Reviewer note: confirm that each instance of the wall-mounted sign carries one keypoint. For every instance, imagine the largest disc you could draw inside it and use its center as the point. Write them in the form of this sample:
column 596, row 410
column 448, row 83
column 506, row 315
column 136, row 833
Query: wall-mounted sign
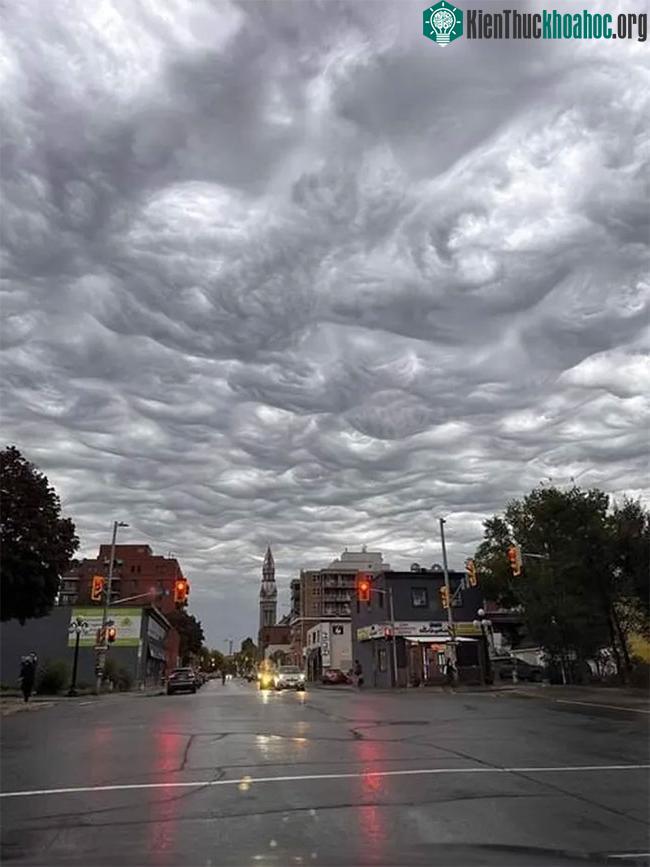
column 125, row 620
column 404, row 629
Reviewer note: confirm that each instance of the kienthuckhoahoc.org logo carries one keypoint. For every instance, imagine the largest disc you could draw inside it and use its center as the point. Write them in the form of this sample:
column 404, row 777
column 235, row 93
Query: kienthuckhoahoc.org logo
column 442, row 23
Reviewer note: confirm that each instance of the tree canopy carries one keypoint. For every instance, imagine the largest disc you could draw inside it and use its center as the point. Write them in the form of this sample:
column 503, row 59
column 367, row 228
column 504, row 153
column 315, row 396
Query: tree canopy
column 585, row 568
column 36, row 542
column 190, row 631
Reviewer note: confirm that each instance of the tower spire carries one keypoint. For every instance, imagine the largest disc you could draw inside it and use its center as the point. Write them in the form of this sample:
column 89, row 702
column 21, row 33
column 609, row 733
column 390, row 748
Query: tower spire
column 268, row 591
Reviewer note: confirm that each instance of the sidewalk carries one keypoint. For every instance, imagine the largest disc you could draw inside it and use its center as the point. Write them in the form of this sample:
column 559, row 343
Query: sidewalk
column 12, row 702
column 615, row 697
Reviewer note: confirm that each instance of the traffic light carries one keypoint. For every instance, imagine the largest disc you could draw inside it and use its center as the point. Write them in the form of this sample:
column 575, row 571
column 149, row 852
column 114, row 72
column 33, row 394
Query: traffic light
column 97, row 588
column 181, row 590
column 363, row 587
column 514, row 558
column 444, row 596
column 471, row 573
column 111, row 634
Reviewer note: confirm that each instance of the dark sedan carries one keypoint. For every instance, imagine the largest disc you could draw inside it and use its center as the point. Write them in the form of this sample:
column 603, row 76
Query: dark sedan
column 181, row 680
column 334, row 675
column 525, row 671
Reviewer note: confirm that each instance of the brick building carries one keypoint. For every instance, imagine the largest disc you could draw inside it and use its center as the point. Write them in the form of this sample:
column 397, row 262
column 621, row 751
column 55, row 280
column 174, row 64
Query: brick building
column 137, row 571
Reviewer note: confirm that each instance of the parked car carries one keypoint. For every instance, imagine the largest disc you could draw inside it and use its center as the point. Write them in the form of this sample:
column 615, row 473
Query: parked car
column 181, row 680
column 334, row 675
column 525, row 671
column 289, row 677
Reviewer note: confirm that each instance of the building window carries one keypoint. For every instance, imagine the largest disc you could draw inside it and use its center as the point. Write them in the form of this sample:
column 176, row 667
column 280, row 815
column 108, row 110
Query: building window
column 380, row 599
column 381, row 659
column 419, row 597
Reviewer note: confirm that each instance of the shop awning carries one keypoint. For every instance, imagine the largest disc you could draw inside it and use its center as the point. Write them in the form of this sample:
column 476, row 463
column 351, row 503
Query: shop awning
column 435, row 639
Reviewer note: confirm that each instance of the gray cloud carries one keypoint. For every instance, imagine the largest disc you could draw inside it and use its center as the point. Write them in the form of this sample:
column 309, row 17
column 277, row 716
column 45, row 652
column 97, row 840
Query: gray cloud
column 287, row 272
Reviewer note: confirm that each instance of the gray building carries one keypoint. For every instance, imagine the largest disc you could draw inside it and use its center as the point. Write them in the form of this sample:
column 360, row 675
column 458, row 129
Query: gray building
column 141, row 646
column 421, row 632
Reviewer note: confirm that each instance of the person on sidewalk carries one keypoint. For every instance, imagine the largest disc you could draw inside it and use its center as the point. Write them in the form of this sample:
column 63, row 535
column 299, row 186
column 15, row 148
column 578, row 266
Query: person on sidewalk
column 28, row 674
column 358, row 673
column 450, row 671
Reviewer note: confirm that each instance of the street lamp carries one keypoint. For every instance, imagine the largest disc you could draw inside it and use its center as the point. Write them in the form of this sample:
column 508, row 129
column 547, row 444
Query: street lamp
column 104, row 633
column 485, row 626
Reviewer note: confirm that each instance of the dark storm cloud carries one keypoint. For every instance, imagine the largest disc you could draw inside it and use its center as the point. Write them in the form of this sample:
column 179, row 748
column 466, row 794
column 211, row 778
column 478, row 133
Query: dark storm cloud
column 288, row 272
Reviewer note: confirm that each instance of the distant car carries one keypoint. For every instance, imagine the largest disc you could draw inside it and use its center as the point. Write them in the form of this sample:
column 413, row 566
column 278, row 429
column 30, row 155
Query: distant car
column 525, row 671
column 181, row 680
column 334, row 675
column 289, row 677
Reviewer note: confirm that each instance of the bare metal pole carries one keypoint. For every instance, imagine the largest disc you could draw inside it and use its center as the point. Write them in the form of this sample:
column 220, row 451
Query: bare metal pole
column 450, row 617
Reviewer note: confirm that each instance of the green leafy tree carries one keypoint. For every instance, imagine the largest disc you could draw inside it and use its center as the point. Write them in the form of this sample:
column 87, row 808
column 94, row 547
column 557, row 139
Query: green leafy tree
column 190, row 632
column 36, row 542
column 590, row 561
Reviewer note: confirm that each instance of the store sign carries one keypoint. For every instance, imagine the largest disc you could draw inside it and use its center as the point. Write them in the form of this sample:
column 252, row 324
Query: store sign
column 405, row 629
column 325, row 646
column 155, row 630
column 337, row 629
column 125, row 620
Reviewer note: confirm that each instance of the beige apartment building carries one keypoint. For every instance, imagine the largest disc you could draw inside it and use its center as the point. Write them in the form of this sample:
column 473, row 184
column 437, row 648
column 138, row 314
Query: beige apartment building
column 325, row 594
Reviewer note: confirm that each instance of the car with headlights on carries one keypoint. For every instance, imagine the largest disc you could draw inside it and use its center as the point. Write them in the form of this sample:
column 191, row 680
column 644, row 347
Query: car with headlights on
column 289, row 677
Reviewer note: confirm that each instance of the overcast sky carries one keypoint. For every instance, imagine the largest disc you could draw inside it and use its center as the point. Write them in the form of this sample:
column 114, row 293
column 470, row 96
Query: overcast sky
column 292, row 273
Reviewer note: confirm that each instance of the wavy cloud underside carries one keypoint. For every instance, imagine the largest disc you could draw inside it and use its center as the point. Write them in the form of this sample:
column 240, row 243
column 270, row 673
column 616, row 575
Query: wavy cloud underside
column 289, row 272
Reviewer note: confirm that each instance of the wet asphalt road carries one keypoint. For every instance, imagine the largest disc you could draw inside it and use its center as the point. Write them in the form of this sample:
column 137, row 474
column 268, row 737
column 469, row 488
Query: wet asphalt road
column 264, row 778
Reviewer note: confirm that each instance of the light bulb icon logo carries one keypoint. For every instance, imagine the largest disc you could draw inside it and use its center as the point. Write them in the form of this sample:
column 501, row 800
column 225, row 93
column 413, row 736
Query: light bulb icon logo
column 442, row 23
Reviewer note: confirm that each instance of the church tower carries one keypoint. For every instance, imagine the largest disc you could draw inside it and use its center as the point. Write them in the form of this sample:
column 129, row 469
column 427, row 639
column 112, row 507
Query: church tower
column 268, row 592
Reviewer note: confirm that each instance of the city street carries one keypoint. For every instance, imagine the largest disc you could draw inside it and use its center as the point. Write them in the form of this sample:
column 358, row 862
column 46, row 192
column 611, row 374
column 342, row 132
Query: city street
column 232, row 775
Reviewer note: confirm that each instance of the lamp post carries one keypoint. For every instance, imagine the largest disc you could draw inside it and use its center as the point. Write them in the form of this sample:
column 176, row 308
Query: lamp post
column 107, row 600
column 485, row 626
column 80, row 627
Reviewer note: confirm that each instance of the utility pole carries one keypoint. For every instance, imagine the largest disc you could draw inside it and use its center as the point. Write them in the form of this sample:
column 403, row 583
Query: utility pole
column 450, row 617
column 391, row 614
column 107, row 599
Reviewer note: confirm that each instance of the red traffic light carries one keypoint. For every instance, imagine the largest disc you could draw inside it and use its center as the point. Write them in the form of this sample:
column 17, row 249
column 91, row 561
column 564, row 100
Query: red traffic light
column 97, row 588
column 363, row 587
column 111, row 634
column 181, row 589
column 514, row 558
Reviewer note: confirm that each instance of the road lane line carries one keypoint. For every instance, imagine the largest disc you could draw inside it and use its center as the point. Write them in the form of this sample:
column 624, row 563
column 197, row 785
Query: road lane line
column 249, row 781
column 594, row 704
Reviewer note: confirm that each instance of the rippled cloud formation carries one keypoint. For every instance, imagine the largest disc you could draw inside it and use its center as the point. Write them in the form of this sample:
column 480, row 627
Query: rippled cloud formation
column 289, row 272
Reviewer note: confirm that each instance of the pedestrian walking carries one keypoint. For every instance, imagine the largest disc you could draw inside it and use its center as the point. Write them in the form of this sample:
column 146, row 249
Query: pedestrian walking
column 358, row 673
column 449, row 673
column 223, row 677
column 28, row 674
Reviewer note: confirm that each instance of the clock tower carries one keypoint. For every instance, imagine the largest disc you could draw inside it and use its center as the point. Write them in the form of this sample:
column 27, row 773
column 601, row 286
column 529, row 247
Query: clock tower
column 268, row 592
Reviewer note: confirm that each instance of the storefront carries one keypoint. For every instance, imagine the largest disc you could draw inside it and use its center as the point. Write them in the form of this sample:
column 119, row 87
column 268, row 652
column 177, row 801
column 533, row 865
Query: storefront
column 428, row 659
column 422, row 651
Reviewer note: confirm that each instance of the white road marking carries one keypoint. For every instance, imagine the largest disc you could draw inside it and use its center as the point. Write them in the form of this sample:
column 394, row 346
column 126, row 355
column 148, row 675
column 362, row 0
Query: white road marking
column 198, row 784
column 632, row 855
column 595, row 704
column 85, row 703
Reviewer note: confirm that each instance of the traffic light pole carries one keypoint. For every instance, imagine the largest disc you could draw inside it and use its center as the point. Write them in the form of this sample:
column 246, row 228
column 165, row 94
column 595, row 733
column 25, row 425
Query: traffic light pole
column 391, row 614
column 107, row 599
column 453, row 658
